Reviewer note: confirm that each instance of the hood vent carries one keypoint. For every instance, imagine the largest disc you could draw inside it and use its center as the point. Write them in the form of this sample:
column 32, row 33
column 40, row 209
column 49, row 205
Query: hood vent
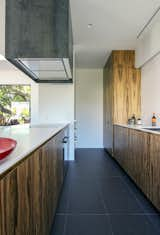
column 45, row 70
column 39, row 39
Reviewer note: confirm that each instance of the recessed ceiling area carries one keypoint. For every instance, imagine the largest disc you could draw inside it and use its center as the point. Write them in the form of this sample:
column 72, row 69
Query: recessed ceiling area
column 115, row 25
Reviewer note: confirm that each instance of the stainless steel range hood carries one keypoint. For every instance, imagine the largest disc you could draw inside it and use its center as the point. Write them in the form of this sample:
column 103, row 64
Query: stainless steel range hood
column 45, row 69
column 39, row 39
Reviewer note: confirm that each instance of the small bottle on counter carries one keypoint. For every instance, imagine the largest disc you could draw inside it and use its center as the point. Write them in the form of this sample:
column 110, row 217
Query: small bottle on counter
column 134, row 121
column 139, row 121
column 154, row 120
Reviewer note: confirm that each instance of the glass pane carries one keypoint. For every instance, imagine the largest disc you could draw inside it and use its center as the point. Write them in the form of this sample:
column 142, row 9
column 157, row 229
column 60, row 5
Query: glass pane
column 15, row 104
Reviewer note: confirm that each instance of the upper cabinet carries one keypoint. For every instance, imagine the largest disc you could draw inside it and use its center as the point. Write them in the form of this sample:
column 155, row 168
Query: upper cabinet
column 38, row 38
column 148, row 43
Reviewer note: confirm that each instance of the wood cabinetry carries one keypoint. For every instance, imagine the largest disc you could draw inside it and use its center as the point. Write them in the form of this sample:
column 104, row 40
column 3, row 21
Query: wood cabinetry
column 29, row 193
column 139, row 159
column 155, row 170
column 121, row 146
column 108, row 105
column 122, row 84
column 138, row 153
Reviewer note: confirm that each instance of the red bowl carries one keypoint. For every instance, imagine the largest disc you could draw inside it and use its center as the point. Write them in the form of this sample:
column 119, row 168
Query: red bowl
column 6, row 147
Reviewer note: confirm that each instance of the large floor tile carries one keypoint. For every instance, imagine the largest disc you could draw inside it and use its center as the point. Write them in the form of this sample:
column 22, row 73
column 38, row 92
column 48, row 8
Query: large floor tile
column 155, row 220
column 117, row 197
column 88, row 225
column 84, row 197
column 145, row 203
column 132, row 225
column 64, row 197
column 122, row 204
column 90, row 171
column 113, row 186
column 58, row 227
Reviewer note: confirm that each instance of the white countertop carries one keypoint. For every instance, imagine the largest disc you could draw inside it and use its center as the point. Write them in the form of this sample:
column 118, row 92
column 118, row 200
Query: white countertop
column 28, row 139
column 142, row 128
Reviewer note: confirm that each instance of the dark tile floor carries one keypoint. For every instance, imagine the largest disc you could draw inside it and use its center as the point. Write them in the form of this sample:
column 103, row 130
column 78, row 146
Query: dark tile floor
column 98, row 198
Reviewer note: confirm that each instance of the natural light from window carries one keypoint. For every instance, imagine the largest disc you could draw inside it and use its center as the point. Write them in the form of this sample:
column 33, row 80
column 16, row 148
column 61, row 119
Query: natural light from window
column 14, row 104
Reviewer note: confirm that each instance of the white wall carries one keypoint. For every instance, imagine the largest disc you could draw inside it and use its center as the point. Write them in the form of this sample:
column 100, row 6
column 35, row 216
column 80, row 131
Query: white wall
column 56, row 105
column 89, row 108
column 151, row 90
column 16, row 77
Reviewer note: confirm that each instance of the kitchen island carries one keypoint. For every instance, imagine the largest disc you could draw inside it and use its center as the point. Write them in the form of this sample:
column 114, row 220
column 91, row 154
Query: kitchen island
column 137, row 150
column 31, row 178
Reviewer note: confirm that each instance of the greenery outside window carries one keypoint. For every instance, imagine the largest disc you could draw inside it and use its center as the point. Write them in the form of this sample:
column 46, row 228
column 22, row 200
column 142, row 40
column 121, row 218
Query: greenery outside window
column 14, row 104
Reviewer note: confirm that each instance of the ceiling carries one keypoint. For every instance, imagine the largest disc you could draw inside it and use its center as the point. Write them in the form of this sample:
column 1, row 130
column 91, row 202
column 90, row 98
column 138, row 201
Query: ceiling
column 6, row 65
column 116, row 24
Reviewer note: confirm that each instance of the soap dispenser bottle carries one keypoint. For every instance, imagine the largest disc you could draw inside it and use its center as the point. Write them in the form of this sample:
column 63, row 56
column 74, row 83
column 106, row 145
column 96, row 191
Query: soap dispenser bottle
column 154, row 120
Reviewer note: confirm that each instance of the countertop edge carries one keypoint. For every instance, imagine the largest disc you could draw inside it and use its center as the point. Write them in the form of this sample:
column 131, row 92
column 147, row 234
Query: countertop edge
column 140, row 128
column 24, row 156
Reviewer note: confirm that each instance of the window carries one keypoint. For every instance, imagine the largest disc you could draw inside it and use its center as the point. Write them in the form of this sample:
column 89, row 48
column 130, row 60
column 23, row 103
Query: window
column 14, row 104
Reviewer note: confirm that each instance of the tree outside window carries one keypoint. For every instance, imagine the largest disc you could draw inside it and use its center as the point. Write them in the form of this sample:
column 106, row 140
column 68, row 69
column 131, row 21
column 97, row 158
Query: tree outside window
column 14, row 104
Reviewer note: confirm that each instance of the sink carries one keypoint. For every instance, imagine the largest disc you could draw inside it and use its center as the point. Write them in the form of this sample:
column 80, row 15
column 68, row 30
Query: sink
column 152, row 129
column 6, row 147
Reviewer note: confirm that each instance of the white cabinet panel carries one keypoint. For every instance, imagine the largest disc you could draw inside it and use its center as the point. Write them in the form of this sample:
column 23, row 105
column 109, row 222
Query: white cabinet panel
column 148, row 43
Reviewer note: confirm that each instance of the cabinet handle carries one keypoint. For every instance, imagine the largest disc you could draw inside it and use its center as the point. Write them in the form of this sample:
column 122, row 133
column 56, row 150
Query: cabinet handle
column 65, row 140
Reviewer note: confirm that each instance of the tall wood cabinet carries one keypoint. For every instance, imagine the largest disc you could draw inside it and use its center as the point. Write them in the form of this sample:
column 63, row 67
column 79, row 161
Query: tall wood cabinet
column 122, row 99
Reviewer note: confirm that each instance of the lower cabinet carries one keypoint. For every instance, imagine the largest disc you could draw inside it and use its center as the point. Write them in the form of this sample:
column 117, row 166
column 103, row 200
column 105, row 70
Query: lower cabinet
column 121, row 146
column 29, row 193
column 138, row 153
column 139, row 158
column 155, row 169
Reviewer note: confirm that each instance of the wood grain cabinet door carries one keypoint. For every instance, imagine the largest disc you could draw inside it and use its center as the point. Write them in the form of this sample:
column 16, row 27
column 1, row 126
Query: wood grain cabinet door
column 60, row 160
column 155, row 170
column 131, row 150
column 29, row 194
column 121, row 146
column 120, row 94
column 127, row 87
column 108, row 106
column 139, row 159
column 20, row 199
column 122, row 99
column 9, row 206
